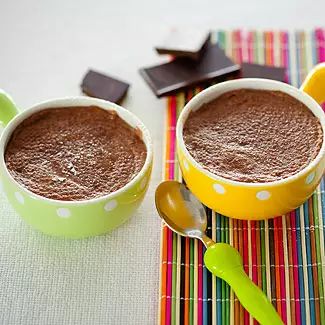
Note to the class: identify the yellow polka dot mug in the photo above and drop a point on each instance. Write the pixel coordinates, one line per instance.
(255, 201)
(72, 218)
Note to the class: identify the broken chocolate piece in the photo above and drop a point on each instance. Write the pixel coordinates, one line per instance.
(250, 70)
(184, 72)
(185, 43)
(98, 85)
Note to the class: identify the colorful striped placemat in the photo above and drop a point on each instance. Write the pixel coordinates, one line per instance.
(284, 256)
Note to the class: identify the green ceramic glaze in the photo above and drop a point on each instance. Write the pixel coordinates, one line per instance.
(8, 109)
(79, 218)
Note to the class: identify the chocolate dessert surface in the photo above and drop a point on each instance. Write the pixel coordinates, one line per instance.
(74, 153)
(253, 135)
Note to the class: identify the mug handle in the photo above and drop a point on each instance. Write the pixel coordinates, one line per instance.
(8, 109)
(314, 83)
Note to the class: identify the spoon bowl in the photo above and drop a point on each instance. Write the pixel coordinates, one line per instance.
(176, 204)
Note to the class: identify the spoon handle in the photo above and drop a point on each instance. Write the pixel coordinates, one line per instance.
(252, 297)
(225, 262)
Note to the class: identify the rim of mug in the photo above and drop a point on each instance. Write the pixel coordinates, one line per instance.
(249, 83)
(77, 101)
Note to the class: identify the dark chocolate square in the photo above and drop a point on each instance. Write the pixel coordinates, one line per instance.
(184, 43)
(98, 85)
(184, 72)
(250, 70)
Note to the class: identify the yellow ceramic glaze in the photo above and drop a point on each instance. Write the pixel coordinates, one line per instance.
(314, 83)
(254, 201)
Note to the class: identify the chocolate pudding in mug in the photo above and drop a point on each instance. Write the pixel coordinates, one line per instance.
(253, 136)
(74, 153)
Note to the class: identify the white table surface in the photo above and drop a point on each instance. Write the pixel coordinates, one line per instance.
(45, 48)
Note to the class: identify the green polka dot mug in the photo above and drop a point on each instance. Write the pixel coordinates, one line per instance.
(73, 219)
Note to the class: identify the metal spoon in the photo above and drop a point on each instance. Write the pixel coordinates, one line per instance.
(184, 214)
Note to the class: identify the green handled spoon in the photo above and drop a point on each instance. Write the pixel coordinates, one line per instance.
(184, 214)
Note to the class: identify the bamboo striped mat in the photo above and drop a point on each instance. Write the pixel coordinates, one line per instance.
(284, 256)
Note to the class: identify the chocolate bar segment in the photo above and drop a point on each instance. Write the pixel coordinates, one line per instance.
(184, 72)
(98, 85)
(184, 43)
(250, 70)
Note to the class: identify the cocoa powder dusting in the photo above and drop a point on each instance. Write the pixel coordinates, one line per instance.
(253, 135)
(74, 153)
